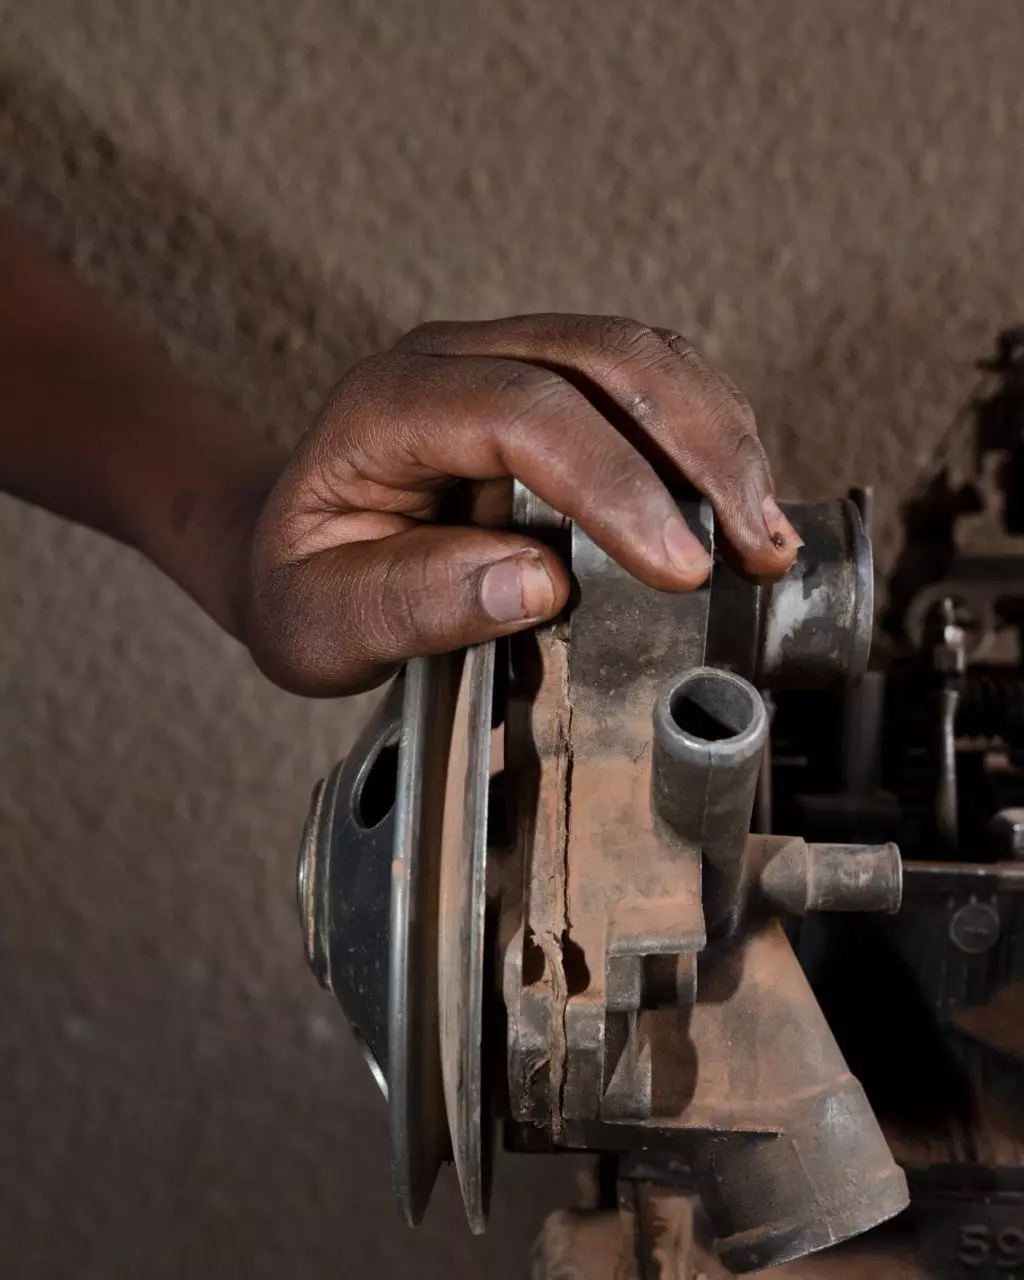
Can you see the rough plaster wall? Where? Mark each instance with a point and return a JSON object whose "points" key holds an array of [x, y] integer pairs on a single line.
{"points": [[826, 195]]}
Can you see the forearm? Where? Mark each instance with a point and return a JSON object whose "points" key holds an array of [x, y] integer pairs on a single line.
{"points": [[336, 564], [98, 428]]}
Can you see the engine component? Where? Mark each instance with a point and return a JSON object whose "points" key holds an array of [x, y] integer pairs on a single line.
{"points": [[612, 962], [653, 1000]]}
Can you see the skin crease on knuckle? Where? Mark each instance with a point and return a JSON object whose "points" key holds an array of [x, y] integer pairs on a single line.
{"points": [[370, 632], [546, 424], [523, 385], [621, 337], [636, 353], [428, 337], [595, 477], [737, 481], [422, 595]]}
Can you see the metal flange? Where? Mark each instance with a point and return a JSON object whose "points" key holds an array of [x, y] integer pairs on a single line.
{"points": [[392, 897]]}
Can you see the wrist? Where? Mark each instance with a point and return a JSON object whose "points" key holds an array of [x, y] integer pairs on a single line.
{"points": [[200, 532], [229, 543]]}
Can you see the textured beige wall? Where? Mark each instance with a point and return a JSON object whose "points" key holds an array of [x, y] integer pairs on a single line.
{"points": [[826, 194]]}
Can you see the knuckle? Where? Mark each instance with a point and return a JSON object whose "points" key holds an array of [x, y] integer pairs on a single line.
{"points": [[528, 395], [431, 336], [680, 346], [365, 379], [639, 348], [736, 448], [607, 338], [624, 338], [412, 595], [516, 376], [700, 367], [625, 471], [413, 609], [643, 409], [744, 408], [381, 609]]}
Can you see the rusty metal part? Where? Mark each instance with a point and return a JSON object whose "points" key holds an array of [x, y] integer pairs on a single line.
{"points": [[533, 979], [787, 1154], [656, 1231], [799, 877], [661, 1230], [666, 1008], [813, 628], [654, 1010], [652, 999]]}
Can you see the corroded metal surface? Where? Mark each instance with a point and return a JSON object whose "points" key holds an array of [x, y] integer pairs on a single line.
{"points": [[460, 935], [660, 1234], [687, 1025], [652, 1001]]}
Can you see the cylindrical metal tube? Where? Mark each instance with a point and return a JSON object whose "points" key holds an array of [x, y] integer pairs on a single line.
{"points": [[710, 728], [803, 877], [812, 629], [816, 621]]}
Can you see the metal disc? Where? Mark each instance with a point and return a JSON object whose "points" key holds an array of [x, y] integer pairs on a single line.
{"points": [[345, 878], [419, 1130], [462, 928]]}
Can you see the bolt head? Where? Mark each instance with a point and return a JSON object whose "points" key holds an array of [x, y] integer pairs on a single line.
{"points": [[974, 928]]}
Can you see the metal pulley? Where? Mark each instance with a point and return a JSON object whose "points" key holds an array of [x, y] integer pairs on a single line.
{"points": [[391, 888]]}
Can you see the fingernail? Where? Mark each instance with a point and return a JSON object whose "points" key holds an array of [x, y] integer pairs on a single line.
{"points": [[517, 589], [782, 533], [684, 549]]}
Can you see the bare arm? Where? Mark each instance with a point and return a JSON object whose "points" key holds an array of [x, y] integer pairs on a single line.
{"points": [[334, 564], [97, 427]]}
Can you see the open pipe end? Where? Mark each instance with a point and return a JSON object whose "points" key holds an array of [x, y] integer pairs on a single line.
{"points": [[710, 715], [710, 728]]}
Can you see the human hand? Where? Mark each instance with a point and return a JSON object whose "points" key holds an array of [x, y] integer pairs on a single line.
{"points": [[382, 539]]}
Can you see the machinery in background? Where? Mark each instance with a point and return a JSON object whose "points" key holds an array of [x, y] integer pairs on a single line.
{"points": [[928, 1005], [548, 892]]}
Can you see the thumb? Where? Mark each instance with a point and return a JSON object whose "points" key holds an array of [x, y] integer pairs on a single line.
{"points": [[342, 620]]}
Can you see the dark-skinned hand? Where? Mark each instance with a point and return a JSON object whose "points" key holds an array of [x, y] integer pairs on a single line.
{"points": [[353, 568]]}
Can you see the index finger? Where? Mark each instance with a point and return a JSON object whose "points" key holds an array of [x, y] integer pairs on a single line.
{"points": [[672, 404]]}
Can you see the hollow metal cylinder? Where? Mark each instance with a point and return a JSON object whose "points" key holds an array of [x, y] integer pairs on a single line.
{"points": [[710, 728], [812, 629], [803, 877]]}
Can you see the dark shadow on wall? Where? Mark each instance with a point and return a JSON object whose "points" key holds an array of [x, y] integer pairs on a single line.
{"points": [[176, 1098], [266, 332]]}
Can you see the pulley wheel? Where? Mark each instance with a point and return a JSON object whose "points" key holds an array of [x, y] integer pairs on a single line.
{"points": [[462, 931], [419, 1130]]}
